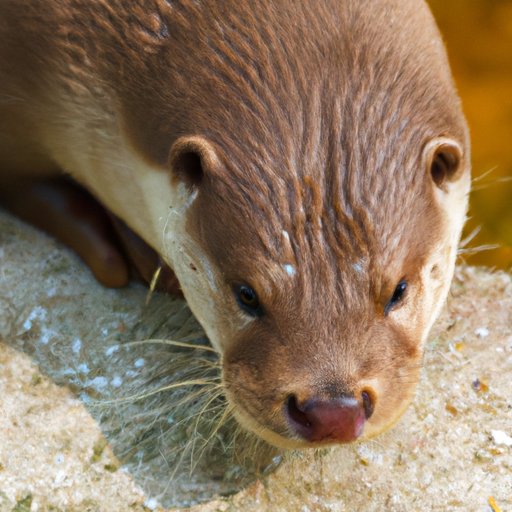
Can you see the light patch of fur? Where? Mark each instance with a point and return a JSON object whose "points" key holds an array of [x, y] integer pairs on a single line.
{"points": [[425, 303], [286, 247], [358, 267], [205, 291], [289, 269], [85, 140], [437, 275]]}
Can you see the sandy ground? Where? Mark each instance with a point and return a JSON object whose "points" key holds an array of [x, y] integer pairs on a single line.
{"points": [[65, 369]]}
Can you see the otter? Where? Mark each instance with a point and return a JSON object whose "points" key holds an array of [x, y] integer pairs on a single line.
{"points": [[302, 167]]}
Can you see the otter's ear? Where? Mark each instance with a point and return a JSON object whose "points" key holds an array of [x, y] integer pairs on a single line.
{"points": [[190, 159], [445, 162]]}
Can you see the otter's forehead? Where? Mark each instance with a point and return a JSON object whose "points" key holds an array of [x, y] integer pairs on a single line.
{"points": [[321, 245], [350, 188]]}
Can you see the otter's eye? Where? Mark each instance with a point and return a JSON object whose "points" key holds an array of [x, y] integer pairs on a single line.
{"points": [[397, 297], [248, 300]]}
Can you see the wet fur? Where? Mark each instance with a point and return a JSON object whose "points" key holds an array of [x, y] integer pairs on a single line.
{"points": [[311, 123]]}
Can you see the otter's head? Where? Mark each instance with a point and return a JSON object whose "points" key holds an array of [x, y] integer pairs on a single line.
{"points": [[318, 289], [320, 170]]}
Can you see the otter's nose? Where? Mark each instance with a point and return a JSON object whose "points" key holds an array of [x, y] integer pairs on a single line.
{"points": [[339, 420]]}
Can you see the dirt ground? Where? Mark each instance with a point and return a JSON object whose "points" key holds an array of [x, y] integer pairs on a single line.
{"points": [[65, 366]]}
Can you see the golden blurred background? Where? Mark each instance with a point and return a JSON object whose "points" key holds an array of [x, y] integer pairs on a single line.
{"points": [[478, 35]]}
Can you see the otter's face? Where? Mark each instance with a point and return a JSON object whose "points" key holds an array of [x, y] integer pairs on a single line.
{"points": [[320, 316]]}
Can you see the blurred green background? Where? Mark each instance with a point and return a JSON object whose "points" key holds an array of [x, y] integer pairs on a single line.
{"points": [[478, 35]]}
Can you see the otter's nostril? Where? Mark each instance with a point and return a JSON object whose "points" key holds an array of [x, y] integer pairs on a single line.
{"points": [[368, 404], [295, 412]]}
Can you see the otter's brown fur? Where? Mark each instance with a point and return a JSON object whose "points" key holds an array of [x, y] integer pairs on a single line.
{"points": [[313, 150]]}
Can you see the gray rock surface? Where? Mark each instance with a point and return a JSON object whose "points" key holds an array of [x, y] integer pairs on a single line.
{"points": [[68, 369]]}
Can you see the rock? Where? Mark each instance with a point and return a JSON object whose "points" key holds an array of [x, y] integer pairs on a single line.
{"points": [[58, 326]]}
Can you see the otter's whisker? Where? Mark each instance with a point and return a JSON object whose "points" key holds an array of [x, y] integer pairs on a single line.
{"points": [[171, 343], [191, 397], [222, 420], [133, 398], [152, 284]]}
